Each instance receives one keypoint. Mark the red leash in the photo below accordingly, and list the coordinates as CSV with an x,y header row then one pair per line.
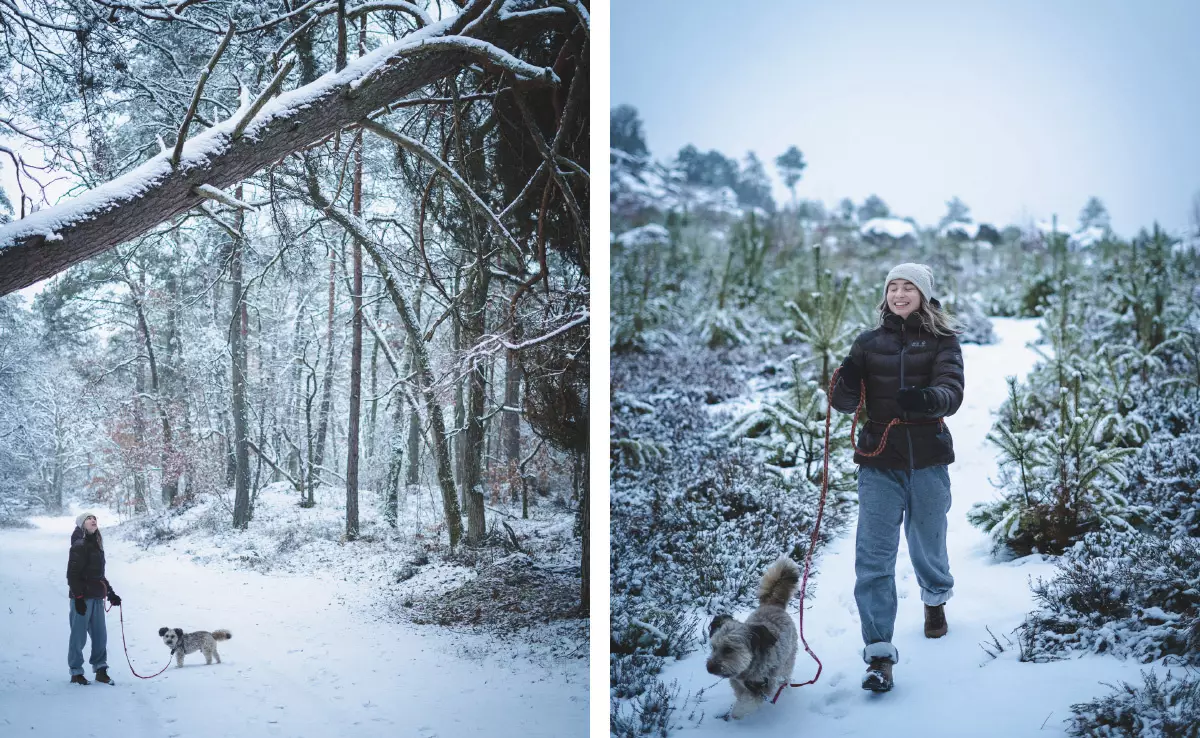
x,y
812,545
108,608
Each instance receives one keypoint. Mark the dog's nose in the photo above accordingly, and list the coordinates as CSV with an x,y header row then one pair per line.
x,y
712,668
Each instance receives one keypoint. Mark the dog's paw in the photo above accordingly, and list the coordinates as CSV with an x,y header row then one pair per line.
x,y
742,709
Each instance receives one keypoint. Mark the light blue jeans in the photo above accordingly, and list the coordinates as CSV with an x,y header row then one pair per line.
x,y
887,498
91,622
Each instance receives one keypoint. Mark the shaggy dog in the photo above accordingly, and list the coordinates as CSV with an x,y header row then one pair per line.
x,y
757,656
182,643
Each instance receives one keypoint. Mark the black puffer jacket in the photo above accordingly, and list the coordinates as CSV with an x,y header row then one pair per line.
x,y
901,353
85,566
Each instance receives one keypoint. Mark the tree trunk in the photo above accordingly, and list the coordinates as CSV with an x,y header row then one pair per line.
x,y
510,421
391,486
139,438
355,360
472,435
237,350
326,389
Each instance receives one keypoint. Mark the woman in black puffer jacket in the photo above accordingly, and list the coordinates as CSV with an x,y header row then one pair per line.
x,y
911,367
89,588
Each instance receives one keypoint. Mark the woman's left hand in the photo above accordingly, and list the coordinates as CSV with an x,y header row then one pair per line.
x,y
916,400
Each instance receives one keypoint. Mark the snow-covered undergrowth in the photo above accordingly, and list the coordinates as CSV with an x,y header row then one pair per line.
x,y
1161,708
696,517
524,584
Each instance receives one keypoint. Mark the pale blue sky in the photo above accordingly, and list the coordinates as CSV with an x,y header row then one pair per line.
x,y
1023,109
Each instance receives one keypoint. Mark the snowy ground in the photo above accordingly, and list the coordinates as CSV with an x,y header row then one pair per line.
x,y
944,687
306,658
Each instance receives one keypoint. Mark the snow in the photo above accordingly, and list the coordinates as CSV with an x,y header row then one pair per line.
x,y
893,227
1089,236
644,237
945,687
970,230
309,656
200,148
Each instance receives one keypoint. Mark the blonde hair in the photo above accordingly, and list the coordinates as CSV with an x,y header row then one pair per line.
x,y
933,318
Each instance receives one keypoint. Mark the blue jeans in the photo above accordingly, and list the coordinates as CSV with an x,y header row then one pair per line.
x,y
919,499
91,622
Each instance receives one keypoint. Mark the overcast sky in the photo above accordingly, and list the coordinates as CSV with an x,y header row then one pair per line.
x,y
1023,109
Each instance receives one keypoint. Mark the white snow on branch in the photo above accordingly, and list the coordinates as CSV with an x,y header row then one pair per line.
x,y
220,196
893,227
202,147
583,318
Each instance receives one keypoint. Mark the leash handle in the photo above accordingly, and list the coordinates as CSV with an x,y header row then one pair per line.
x,y
108,608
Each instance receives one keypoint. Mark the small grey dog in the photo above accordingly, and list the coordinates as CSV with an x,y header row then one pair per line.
x,y
182,643
757,656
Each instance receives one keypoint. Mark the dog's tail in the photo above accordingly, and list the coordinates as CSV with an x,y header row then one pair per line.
x,y
221,635
779,583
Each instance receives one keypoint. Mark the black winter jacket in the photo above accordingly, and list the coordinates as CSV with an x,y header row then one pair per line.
x,y
901,353
85,566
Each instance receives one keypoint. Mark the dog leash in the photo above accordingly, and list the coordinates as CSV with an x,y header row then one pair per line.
x,y
108,608
812,545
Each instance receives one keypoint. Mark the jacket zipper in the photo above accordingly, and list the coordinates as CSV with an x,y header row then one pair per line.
x,y
903,413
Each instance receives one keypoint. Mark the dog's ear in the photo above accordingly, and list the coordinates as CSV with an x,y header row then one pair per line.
x,y
179,633
162,632
717,622
761,638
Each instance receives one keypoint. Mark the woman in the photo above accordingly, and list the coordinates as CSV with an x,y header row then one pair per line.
x,y
89,588
911,367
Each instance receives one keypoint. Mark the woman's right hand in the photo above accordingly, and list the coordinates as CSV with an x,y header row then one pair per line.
x,y
850,373
80,606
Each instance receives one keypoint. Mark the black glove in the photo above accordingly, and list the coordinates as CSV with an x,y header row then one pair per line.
x,y
851,374
80,606
916,400
113,599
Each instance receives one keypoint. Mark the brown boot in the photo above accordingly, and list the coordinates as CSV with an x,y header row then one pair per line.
x,y
79,679
879,676
935,621
102,675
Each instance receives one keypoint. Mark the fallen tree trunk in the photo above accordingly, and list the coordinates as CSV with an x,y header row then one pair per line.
x,y
49,241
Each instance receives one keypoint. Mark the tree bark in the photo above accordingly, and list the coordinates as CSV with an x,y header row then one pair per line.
x,y
326,390
355,361
237,350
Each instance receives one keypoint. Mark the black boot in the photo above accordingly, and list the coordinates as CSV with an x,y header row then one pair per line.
x,y
79,679
102,675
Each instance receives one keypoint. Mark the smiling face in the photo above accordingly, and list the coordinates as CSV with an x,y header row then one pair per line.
x,y
90,525
903,297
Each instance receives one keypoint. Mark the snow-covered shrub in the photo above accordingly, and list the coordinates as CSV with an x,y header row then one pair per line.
x,y
790,432
1167,708
1059,482
695,523
977,328
1129,594
1163,482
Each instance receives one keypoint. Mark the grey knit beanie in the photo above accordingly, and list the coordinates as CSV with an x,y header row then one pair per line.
x,y
919,274
84,516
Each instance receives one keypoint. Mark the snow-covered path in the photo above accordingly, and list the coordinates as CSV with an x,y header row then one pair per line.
x,y
300,663
945,687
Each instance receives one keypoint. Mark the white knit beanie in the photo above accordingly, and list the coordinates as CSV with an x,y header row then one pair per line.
x,y
84,516
919,274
